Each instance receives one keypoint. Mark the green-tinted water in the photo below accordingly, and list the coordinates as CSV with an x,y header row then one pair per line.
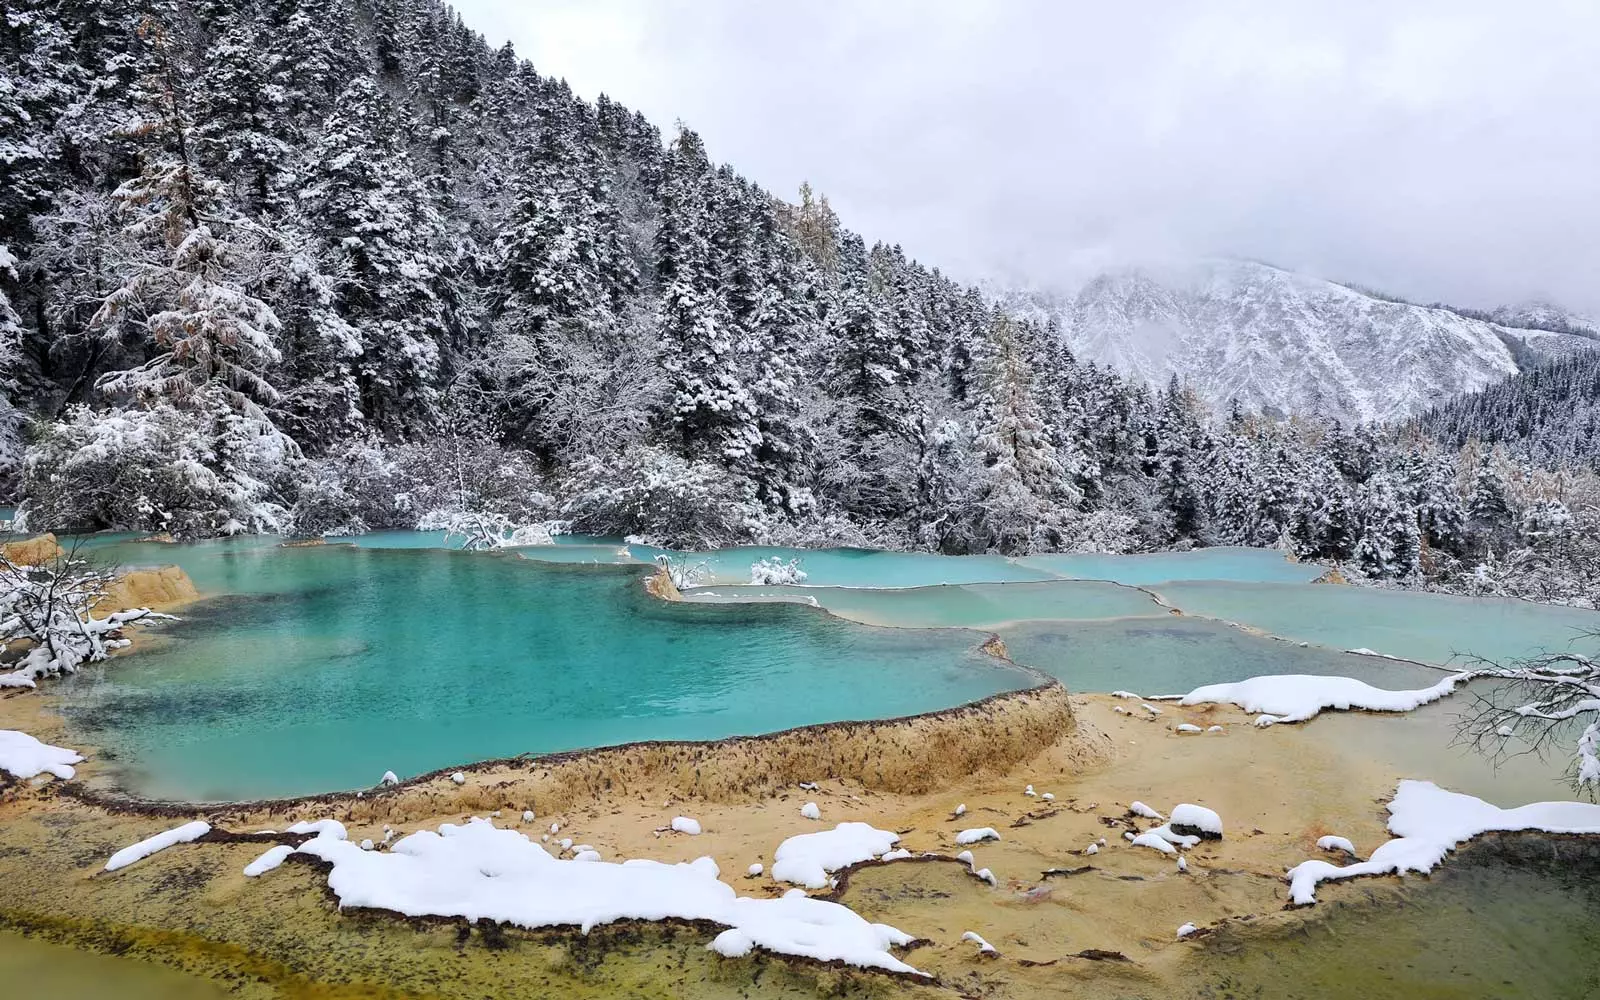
x,y
1173,655
327,665
1504,918
973,605
341,663
1433,628
41,969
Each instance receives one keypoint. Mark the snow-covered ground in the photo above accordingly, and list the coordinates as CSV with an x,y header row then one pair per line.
x,y
25,757
478,871
808,858
143,849
1428,823
1298,697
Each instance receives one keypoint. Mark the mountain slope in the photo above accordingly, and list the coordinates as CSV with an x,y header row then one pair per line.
x,y
1549,413
1283,342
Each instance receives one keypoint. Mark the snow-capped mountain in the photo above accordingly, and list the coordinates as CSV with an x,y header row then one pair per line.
x,y
1288,343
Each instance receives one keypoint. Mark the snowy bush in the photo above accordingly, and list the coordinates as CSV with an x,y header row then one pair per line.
x,y
191,472
683,573
370,486
659,496
774,572
479,531
50,611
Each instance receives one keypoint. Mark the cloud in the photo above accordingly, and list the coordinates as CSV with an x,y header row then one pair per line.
x,y
1437,149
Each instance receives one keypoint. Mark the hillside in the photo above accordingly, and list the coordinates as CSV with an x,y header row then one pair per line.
x,y
1549,413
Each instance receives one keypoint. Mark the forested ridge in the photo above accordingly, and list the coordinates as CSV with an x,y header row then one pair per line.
x,y
319,268
1549,413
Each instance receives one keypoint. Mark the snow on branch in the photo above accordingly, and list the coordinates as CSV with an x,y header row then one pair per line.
x,y
49,611
479,531
1538,704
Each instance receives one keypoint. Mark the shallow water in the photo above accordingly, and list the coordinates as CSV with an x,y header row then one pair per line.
x,y
1433,628
339,663
1220,563
327,665
974,605
1173,655
1504,918
42,969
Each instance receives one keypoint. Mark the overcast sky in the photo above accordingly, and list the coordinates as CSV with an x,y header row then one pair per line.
x,y
1443,149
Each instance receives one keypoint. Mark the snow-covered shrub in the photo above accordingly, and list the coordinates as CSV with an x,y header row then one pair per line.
x,y
775,572
659,496
370,486
479,531
683,573
50,608
325,504
195,472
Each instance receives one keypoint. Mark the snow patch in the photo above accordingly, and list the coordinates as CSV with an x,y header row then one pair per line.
x,y
1298,697
1153,841
274,857
330,828
684,824
1332,843
1140,809
984,947
1196,819
1429,822
977,835
807,859
480,872
810,811
26,757
160,842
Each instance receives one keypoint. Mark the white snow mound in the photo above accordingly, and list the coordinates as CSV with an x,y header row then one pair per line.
x,y
1298,697
160,842
685,824
1429,822
807,859
478,871
1198,818
274,857
977,835
26,757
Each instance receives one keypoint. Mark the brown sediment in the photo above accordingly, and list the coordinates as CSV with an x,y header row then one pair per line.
x,y
1056,935
302,543
660,586
1332,575
995,646
35,551
157,589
